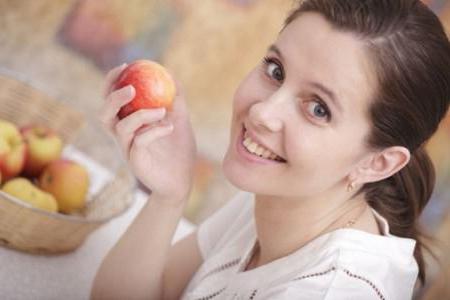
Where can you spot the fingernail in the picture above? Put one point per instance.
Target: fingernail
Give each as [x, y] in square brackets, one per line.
[165, 123]
[129, 89]
[162, 111]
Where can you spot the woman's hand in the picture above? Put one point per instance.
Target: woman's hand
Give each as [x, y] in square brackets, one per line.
[159, 145]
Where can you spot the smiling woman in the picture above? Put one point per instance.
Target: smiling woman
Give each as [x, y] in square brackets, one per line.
[326, 144]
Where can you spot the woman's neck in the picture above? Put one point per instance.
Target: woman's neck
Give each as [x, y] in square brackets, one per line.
[285, 225]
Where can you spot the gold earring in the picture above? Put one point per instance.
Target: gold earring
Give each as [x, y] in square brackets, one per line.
[351, 187]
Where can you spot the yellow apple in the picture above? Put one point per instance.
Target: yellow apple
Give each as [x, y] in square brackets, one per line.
[68, 182]
[44, 145]
[12, 150]
[23, 189]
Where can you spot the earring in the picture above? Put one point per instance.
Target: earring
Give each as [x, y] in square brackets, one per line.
[351, 187]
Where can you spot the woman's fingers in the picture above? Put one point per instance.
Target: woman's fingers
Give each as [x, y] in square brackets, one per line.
[112, 76]
[149, 135]
[178, 86]
[180, 109]
[113, 104]
[127, 128]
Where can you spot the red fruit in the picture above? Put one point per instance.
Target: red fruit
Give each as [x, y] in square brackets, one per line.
[153, 84]
[12, 150]
[44, 145]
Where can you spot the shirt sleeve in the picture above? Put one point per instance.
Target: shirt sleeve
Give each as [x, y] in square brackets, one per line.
[348, 285]
[219, 223]
[337, 285]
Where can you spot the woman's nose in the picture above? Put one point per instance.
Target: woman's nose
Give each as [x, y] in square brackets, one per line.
[268, 113]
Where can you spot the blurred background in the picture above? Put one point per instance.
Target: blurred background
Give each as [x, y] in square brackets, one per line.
[65, 48]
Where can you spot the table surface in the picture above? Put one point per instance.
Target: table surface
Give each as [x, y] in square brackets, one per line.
[68, 276]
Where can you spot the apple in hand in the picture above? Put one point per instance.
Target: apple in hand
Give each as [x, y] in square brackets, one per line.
[44, 145]
[24, 190]
[68, 182]
[12, 150]
[153, 85]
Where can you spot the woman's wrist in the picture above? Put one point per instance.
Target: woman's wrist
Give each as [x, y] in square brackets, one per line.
[172, 202]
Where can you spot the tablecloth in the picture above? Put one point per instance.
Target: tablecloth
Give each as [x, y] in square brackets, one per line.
[69, 276]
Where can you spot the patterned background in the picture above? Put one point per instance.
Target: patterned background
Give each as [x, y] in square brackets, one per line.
[198, 42]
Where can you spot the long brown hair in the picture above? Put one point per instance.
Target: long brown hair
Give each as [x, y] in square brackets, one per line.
[411, 54]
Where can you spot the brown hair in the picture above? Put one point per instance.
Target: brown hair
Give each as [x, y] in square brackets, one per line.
[411, 54]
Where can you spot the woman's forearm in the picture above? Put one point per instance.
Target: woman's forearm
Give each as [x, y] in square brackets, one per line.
[134, 267]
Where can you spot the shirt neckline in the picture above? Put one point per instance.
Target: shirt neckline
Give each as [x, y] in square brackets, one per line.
[383, 244]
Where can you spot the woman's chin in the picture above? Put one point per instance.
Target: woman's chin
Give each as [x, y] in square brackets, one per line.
[239, 178]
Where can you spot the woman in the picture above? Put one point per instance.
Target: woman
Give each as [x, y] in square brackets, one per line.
[327, 145]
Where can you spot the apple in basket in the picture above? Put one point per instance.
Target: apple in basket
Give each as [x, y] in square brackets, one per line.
[23, 189]
[12, 150]
[44, 145]
[153, 84]
[68, 182]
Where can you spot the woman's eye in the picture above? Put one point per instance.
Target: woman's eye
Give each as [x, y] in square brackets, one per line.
[273, 69]
[319, 110]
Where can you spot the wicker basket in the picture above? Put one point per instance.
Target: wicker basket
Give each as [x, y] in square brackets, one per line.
[33, 230]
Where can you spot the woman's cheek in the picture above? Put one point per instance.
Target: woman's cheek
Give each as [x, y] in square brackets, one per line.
[243, 98]
[253, 89]
[240, 92]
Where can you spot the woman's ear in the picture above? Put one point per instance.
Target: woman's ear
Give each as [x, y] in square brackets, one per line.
[381, 165]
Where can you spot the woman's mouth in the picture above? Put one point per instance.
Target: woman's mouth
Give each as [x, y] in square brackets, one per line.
[257, 152]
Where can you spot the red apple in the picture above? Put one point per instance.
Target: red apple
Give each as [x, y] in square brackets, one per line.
[12, 150]
[153, 84]
[44, 146]
[68, 182]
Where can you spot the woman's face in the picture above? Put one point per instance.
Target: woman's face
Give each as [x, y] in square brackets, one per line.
[300, 117]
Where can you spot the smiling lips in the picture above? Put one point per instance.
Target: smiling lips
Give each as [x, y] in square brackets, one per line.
[259, 150]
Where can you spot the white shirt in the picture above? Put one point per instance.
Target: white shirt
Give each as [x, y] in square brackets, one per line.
[342, 264]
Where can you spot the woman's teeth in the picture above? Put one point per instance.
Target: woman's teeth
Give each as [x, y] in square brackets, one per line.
[259, 150]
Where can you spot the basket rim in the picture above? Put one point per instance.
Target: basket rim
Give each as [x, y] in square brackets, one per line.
[26, 81]
[72, 218]
[33, 84]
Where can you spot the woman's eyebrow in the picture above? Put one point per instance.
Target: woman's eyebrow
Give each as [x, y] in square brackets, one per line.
[328, 92]
[274, 48]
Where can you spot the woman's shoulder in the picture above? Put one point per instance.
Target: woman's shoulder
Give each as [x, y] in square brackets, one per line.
[343, 273]
[383, 246]
[353, 264]
[331, 283]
